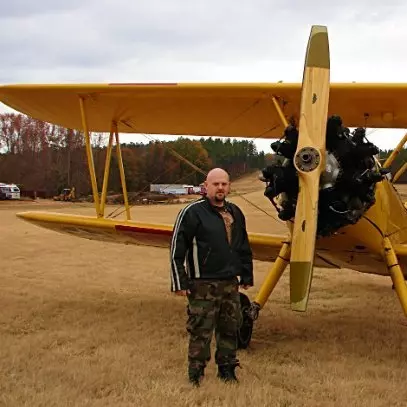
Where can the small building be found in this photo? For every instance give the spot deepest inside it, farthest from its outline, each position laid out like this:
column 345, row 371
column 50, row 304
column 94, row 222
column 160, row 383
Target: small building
column 177, row 189
column 174, row 191
column 159, row 187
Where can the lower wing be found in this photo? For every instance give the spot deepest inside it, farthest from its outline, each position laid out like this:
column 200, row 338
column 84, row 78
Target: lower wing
column 265, row 247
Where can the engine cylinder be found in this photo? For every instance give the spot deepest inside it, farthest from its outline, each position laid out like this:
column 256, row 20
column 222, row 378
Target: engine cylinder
column 347, row 186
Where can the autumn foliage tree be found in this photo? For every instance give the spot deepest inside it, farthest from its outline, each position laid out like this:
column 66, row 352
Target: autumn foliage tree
column 44, row 157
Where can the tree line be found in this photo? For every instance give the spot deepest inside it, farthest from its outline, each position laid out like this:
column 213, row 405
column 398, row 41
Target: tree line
column 40, row 156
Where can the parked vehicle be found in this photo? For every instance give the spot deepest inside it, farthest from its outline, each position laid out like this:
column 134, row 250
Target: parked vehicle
column 68, row 194
column 9, row 191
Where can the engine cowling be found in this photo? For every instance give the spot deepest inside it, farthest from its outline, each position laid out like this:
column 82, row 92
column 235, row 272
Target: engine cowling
column 347, row 187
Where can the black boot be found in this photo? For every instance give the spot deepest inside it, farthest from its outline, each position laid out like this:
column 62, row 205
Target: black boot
column 196, row 374
column 226, row 372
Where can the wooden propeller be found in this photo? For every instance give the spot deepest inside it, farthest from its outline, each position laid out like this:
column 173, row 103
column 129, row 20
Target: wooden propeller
column 309, row 161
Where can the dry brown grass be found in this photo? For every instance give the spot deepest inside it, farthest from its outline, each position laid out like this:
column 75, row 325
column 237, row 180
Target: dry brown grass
column 91, row 324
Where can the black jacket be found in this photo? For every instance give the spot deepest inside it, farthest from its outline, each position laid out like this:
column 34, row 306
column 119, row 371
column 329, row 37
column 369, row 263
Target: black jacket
column 199, row 237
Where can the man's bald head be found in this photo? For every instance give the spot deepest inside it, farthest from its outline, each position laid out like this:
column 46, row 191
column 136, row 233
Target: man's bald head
column 216, row 173
column 217, row 185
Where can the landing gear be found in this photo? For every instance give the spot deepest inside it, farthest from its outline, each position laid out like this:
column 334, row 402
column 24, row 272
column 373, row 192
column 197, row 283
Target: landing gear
column 250, row 311
column 396, row 273
column 246, row 328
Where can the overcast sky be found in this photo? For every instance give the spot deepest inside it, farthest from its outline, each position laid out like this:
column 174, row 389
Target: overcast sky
column 63, row 41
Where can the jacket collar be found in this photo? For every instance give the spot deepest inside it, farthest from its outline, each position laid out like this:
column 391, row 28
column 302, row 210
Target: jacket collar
column 226, row 204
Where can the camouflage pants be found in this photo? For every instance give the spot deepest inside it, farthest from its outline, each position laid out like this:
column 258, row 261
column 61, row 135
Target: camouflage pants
column 213, row 305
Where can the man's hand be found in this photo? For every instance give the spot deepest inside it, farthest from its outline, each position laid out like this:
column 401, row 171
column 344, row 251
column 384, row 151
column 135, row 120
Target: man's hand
column 182, row 293
column 245, row 286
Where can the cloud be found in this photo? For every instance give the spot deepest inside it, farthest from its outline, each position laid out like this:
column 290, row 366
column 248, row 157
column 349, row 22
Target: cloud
column 201, row 40
column 29, row 8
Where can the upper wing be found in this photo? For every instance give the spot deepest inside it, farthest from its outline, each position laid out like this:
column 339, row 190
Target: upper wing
column 228, row 110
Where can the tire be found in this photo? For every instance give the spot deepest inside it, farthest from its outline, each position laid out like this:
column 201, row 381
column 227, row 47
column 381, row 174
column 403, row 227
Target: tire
column 245, row 331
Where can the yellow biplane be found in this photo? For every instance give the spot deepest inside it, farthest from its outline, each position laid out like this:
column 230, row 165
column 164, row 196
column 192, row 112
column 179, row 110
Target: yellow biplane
column 340, row 205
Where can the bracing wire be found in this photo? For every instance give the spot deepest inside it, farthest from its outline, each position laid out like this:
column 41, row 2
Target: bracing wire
column 197, row 169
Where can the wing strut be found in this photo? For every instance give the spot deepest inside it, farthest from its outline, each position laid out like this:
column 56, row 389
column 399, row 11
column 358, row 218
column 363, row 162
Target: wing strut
column 395, row 152
column 399, row 173
column 121, row 170
column 279, row 111
column 107, row 170
column 100, row 202
column 89, row 156
column 273, row 276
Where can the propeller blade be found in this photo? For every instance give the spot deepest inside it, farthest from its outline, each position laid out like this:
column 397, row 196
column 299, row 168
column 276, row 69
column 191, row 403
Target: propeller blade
column 309, row 161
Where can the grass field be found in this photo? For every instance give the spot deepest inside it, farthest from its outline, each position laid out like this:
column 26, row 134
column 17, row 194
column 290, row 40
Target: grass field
column 85, row 323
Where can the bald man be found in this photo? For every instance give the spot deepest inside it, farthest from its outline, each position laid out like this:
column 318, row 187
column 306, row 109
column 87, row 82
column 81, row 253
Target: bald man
column 210, row 237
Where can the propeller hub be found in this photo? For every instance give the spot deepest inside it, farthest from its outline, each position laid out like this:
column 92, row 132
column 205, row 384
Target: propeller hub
column 307, row 159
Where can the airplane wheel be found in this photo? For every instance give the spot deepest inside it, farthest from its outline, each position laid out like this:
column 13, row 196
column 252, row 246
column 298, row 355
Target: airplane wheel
column 245, row 331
